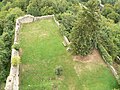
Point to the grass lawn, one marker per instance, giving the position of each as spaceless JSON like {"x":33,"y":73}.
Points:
{"x":42,"y":52}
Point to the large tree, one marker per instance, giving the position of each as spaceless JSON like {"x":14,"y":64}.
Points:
{"x":85,"y":29}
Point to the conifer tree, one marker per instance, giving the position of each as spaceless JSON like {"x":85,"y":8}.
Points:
{"x":85,"y":29}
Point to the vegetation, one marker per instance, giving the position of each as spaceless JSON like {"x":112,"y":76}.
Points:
{"x":16,"y":46}
{"x":43,"y":52}
{"x":58,"y":70}
{"x":86,"y":23}
{"x":85,"y":30}
{"x":15,"y":60}
{"x":105,"y":54}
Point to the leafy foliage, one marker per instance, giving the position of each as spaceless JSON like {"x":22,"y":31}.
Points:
{"x":107,"y":10}
{"x":8,"y":14}
{"x":108,"y":1}
{"x":15,"y":60}
{"x":105,"y":54}
{"x":117,"y":6}
{"x":114,"y":16}
{"x":16,"y":46}
{"x":85,"y":30}
{"x":43,"y":7}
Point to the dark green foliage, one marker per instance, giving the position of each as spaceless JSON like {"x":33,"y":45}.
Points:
{"x":107,"y":10}
{"x":105,"y":54}
{"x":7,"y":31}
{"x":1,"y":27}
{"x":111,"y":12}
{"x":117,"y":6}
{"x":114,"y":16}
{"x":13,"y":13}
{"x":16,"y":46}
{"x":3,"y":61}
{"x":58,"y":70}
{"x":66,"y":19}
{"x":1,"y":5}
{"x":7,"y":6}
{"x":108,"y":1}
{"x":85,"y":30}
{"x":7,"y":40}
{"x":34,"y":7}
{"x":83,"y":0}
{"x":61,"y":6}
{"x":43,"y":7}
{"x":110,"y":38}
{"x":5,"y":1}
{"x":21,"y":4}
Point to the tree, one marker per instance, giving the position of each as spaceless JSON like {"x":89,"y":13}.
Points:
{"x":3,"y":60}
{"x":21,"y":4}
{"x":67,"y":20}
{"x":83,"y":0}
{"x":107,"y":10}
{"x":117,"y":6}
{"x":7,"y":6}
{"x":108,"y":1}
{"x":61,"y":6}
{"x":1,"y":27}
{"x":85,"y":29}
{"x":34,"y":7}
{"x":13,"y":13}
{"x":5,"y":1}
{"x":1,"y":5}
{"x":114,"y":16}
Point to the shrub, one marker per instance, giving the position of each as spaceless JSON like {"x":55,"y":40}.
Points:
{"x":58,"y":70}
{"x":16,"y":46}
{"x":15,"y":60}
{"x":105,"y":54}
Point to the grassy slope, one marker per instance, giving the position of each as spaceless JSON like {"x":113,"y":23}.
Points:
{"x":43,"y":51}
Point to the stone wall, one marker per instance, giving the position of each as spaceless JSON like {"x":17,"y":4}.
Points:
{"x":12,"y":82}
{"x":25,"y":19}
{"x":113,"y":70}
{"x":43,"y":17}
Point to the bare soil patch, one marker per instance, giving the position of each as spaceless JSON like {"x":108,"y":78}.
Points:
{"x":89,"y":62}
{"x":93,"y":57}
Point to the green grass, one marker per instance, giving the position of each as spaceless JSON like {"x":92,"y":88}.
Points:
{"x":43,"y":51}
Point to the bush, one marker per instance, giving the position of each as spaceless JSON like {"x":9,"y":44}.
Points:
{"x":16,"y":46}
{"x":105,"y":54}
{"x":15,"y":60}
{"x":58,"y":70}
